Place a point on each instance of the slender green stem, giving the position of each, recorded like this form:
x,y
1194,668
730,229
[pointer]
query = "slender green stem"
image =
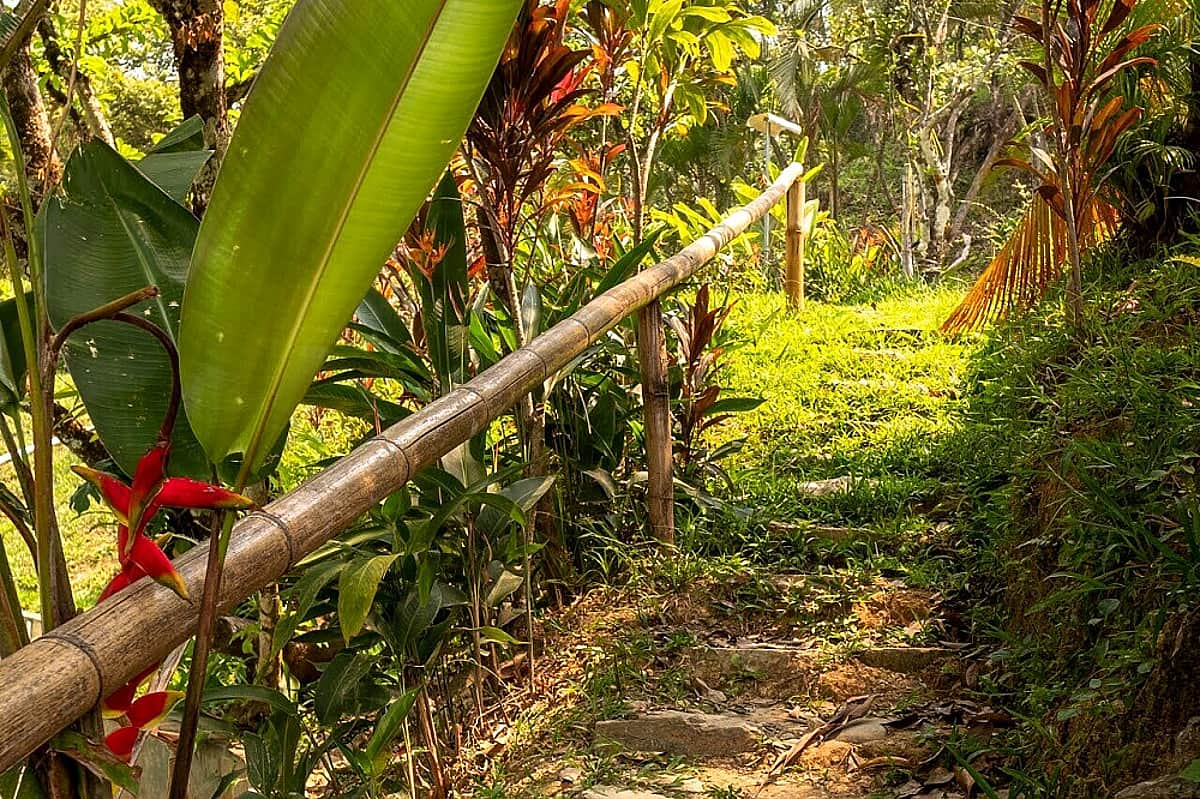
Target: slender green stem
x,y
43,500
198,672
15,444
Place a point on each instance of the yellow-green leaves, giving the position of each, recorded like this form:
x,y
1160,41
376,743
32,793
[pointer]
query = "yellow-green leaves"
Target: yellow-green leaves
x,y
349,126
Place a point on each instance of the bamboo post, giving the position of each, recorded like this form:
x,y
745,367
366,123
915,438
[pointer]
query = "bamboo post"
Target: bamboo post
x,y
53,681
660,493
794,248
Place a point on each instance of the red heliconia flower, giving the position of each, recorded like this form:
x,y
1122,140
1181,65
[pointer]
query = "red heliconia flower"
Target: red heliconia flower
x,y
121,742
135,505
118,703
146,558
149,711
152,490
148,480
124,579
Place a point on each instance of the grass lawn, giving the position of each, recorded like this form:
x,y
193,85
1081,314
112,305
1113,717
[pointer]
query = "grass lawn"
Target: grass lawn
x,y
89,539
868,391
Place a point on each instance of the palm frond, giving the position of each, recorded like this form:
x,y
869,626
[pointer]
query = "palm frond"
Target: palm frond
x,y
1028,263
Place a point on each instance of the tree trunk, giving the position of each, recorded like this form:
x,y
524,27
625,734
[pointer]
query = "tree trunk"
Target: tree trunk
x,y
196,33
93,115
42,164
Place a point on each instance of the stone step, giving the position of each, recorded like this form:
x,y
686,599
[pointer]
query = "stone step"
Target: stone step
x,y
905,659
682,733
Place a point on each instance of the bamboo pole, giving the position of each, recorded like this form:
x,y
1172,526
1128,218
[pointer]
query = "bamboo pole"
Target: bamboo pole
x,y
56,679
794,246
660,485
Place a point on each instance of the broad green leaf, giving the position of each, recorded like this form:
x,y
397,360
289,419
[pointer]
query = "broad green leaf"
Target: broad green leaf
x,y
414,616
259,766
302,219
97,759
662,19
354,400
376,313
305,592
188,136
356,591
251,693
386,729
174,172
708,13
496,635
338,687
173,162
504,586
628,263
113,232
721,50
13,368
523,493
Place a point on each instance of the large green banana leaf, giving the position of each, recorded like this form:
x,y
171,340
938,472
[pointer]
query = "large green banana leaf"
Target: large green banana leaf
x,y
113,232
350,123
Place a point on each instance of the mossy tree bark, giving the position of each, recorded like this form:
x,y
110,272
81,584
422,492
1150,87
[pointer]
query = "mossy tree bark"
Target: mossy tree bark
x,y
196,34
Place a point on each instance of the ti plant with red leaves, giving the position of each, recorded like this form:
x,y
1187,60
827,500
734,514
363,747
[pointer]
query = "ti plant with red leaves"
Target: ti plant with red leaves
x,y
531,104
1083,52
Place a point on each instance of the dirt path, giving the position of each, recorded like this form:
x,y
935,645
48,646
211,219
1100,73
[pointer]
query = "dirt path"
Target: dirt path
x,y
746,683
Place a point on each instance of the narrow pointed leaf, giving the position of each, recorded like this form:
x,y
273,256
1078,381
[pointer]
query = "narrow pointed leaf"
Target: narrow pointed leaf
x,y
387,728
300,221
356,591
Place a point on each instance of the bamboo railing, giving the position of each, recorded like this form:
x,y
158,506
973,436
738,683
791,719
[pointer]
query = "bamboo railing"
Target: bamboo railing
x,y
47,685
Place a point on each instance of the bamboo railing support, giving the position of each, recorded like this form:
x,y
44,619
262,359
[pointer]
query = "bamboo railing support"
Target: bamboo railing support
x,y
794,246
56,679
660,484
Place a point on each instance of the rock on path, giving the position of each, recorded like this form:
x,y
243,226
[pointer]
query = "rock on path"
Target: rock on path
x,y
679,733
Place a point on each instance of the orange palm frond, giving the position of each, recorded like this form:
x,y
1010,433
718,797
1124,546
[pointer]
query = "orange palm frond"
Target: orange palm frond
x,y
1031,259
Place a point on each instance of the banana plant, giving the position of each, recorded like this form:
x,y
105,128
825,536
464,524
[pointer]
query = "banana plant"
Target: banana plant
x,y
299,225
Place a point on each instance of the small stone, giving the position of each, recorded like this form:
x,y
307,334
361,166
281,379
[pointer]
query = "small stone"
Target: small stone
x,y
679,733
570,775
693,785
609,792
1187,742
835,485
1166,788
862,731
904,659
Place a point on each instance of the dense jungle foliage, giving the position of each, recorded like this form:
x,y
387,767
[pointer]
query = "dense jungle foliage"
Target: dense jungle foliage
x,y
936,515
